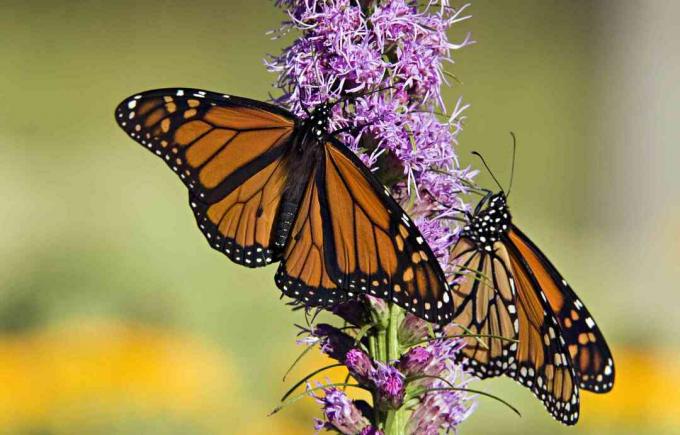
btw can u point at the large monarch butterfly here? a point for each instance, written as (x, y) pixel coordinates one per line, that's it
(266, 186)
(534, 328)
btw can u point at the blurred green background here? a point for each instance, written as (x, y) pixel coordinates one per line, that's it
(116, 317)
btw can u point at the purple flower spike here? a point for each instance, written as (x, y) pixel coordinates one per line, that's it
(347, 49)
(382, 62)
(415, 361)
(340, 413)
(390, 384)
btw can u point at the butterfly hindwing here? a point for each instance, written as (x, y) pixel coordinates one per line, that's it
(303, 273)
(587, 347)
(229, 152)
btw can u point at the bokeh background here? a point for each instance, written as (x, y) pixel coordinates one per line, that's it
(116, 317)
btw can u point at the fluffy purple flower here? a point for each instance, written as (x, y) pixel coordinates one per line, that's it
(352, 311)
(415, 360)
(442, 409)
(382, 62)
(390, 384)
(340, 412)
(359, 364)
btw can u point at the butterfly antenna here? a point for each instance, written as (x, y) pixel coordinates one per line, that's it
(512, 168)
(488, 169)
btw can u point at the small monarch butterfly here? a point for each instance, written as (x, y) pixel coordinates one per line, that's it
(534, 328)
(266, 186)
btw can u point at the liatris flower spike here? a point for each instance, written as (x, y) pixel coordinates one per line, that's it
(383, 61)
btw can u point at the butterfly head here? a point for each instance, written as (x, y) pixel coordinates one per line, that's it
(489, 224)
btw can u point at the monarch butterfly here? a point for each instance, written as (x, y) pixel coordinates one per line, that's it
(536, 330)
(267, 186)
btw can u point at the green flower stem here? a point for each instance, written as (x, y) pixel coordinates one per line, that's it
(395, 418)
(393, 352)
(384, 346)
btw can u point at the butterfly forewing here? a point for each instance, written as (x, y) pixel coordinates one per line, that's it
(484, 298)
(587, 347)
(229, 152)
(542, 361)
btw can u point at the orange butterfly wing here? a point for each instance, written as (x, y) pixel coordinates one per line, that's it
(229, 152)
(587, 347)
(303, 273)
(367, 243)
(498, 289)
(484, 298)
(542, 362)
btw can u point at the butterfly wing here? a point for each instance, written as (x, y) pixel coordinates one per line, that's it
(542, 363)
(366, 241)
(229, 152)
(303, 274)
(587, 347)
(375, 246)
(496, 294)
(484, 299)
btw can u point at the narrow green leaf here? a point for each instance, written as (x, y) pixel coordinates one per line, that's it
(303, 380)
(468, 390)
(418, 377)
(294, 399)
(451, 75)
(297, 360)
(428, 340)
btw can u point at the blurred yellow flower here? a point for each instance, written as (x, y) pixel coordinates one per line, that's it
(646, 391)
(82, 371)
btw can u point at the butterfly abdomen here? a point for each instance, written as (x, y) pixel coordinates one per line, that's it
(286, 217)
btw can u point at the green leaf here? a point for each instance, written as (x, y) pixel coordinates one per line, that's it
(418, 377)
(297, 360)
(294, 399)
(303, 380)
(468, 390)
(477, 336)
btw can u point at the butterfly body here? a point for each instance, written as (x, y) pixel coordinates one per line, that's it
(538, 332)
(304, 152)
(489, 225)
(266, 186)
